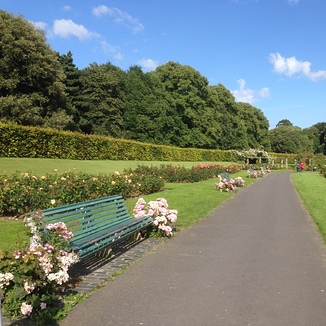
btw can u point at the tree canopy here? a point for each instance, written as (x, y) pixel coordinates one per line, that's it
(172, 105)
(32, 86)
(290, 139)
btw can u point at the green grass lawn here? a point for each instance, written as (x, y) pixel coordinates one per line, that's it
(40, 166)
(311, 186)
(12, 234)
(192, 200)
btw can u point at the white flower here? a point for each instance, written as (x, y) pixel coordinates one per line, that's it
(29, 286)
(59, 277)
(5, 279)
(26, 309)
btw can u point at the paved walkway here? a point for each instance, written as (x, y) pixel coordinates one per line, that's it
(255, 260)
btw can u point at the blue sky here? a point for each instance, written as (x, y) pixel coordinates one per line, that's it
(269, 53)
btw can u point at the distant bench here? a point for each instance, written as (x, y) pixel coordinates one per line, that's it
(254, 174)
(97, 223)
(225, 176)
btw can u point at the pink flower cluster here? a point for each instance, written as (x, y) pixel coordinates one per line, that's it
(61, 228)
(229, 185)
(163, 218)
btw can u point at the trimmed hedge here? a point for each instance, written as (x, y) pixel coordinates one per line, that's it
(35, 142)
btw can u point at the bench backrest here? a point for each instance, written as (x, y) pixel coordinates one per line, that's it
(89, 216)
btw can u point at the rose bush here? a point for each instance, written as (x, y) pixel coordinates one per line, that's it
(32, 278)
(229, 185)
(163, 218)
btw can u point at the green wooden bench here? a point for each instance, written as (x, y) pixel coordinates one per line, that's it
(225, 175)
(97, 223)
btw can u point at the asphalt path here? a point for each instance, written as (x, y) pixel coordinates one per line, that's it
(255, 260)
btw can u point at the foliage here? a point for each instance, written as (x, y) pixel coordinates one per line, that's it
(173, 173)
(173, 105)
(24, 192)
(257, 174)
(317, 133)
(256, 126)
(252, 153)
(73, 85)
(102, 95)
(31, 78)
(163, 218)
(31, 279)
(290, 139)
(19, 141)
(229, 185)
(191, 115)
(284, 123)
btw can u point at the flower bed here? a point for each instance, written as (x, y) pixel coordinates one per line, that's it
(229, 185)
(25, 192)
(32, 278)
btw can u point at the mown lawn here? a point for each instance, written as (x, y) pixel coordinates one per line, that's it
(311, 186)
(40, 166)
(192, 200)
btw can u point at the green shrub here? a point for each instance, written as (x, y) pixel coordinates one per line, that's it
(24, 192)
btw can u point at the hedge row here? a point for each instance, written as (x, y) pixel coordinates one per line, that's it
(35, 142)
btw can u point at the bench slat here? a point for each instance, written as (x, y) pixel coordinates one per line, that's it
(96, 223)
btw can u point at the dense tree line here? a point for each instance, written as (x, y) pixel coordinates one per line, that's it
(173, 105)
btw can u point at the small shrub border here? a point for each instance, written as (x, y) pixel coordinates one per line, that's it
(24, 192)
(32, 278)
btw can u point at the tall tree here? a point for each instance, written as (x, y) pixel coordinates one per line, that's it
(233, 128)
(317, 133)
(102, 100)
(290, 139)
(189, 101)
(256, 126)
(73, 86)
(146, 116)
(284, 123)
(31, 77)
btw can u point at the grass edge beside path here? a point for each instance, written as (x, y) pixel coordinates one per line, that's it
(311, 187)
(193, 201)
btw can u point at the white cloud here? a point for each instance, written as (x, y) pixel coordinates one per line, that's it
(148, 64)
(101, 11)
(112, 50)
(66, 28)
(119, 17)
(292, 67)
(40, 25)
(249, 95)
(66, 8)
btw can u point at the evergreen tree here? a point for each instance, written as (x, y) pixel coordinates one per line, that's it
(73, 86)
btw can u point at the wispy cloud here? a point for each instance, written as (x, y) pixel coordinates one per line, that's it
(293, 2)
(112, 50)
(292, 67)
(148, 64)
(66, 28)
(66, 8)
(40, 25)
(249, 95)
(119, 17)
